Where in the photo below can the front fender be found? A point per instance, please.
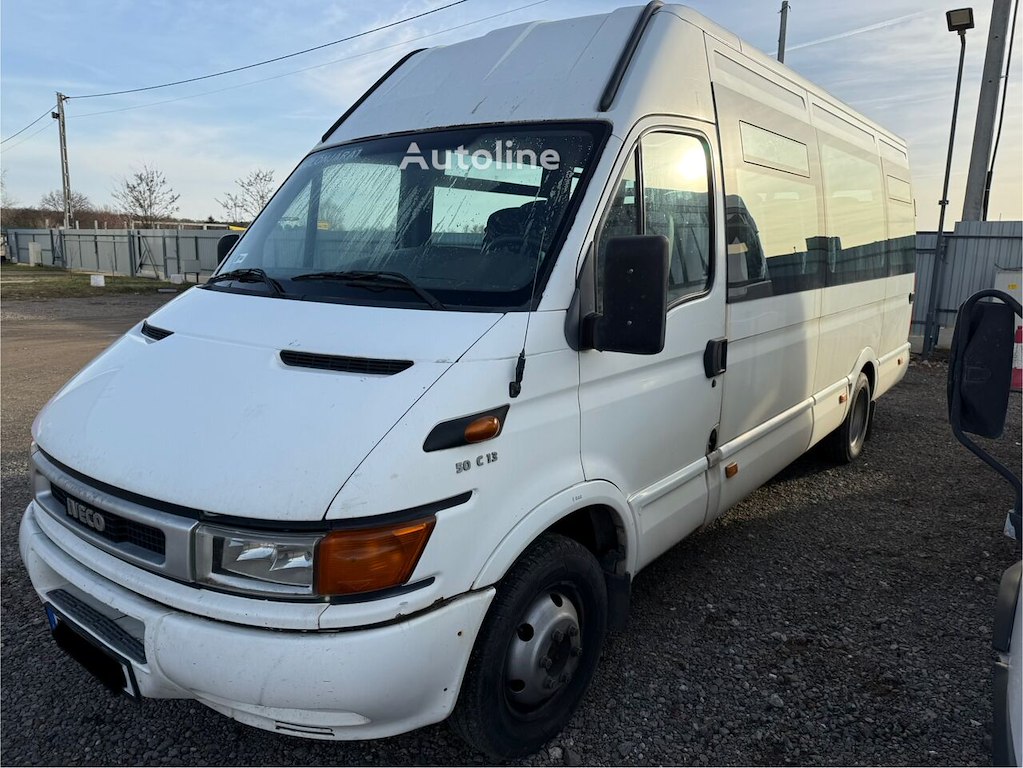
(546, 514)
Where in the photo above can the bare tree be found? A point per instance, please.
(254, 192)
(54, 201)
(146, 197)
(6, 200)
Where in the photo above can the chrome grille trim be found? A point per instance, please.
(176, 563)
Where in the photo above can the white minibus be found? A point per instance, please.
(537, 307)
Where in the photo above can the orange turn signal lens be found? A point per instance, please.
(482, 429)
(369, 559)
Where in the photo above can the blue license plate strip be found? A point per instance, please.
(93, 655)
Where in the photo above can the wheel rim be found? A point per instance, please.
(544, 652)
(858, 422)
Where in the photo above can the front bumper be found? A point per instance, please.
(352, 684)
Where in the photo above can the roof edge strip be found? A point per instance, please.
(611, 90)
(369, 92)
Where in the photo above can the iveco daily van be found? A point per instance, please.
(538, 306)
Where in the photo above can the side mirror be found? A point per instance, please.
(980, 378)
(635, 296)
(224, 246)
(980, 364)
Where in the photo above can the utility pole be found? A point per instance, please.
(781, 33)
(978, 179)
(65, 175)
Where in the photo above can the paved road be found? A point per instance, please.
(838, 616)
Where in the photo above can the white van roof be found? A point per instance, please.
(559, 70)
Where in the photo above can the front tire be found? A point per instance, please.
(845, 444)
(536, 653)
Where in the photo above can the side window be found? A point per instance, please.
(772, 235)
(901, 228)
(856, 215)
(675, 204)
(772, 222)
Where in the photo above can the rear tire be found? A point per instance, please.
(535, 655)
(845, 444)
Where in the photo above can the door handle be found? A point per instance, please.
(715, 357)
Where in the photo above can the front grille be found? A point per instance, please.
(117, 529)
(365, 365)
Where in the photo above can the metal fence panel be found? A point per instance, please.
(18, 240)
(973, 253)
(925, 242)
(153, 253)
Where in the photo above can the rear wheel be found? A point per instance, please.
(536, 653)
(845, 444)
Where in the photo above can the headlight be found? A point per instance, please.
(341, 562)
(254, 561)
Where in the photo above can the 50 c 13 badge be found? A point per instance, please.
(481, 461)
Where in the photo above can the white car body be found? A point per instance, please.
(649, 440)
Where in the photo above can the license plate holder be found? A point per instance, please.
(111, 669)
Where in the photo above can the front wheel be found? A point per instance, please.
(845, 444)
(536, 653)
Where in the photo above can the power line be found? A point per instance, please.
(29, 137)
(276, 58)
(314, 66)
(47, 112)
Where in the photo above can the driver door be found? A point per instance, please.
(648, 422)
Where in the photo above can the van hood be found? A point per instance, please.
(212, 418)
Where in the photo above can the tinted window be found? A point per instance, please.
(762, 147)
(901, 238)
(854, 202)
(772, 232)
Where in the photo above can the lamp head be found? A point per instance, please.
(959, 20)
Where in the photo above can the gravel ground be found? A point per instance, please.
(837, 616)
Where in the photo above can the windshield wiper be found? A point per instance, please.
(375, 278)
(249, 275)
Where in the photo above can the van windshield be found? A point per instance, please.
(466, 219)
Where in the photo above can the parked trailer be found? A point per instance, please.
(509, 332)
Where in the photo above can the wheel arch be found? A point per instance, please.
(866, 364)
(596, 515)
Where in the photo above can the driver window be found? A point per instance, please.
(675, 204)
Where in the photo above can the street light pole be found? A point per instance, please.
(958, 21)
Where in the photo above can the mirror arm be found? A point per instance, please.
(988, 459)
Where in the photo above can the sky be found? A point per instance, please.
(892, 60)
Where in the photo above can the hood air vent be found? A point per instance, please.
(364, 365)
(155, 333)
